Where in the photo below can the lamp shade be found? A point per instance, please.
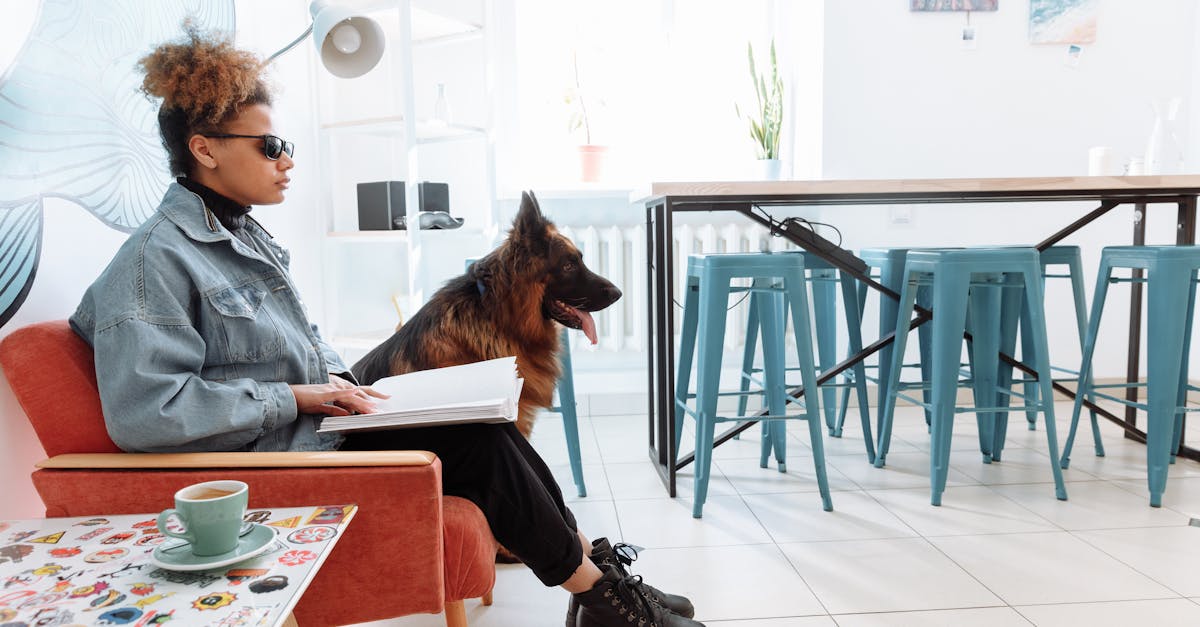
(349, 44)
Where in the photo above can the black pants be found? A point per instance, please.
(494, 466)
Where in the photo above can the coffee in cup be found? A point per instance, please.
(211, 514)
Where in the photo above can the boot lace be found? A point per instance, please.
(646, 612)
(626, 555)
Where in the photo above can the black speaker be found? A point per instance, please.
(378, 204)
(381, 204)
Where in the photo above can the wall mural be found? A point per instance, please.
(73, 124)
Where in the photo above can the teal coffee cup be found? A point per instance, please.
(211, 514)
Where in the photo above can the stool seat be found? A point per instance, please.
(1170, 276)
(775, 277)
(958, 278)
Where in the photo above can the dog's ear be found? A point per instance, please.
(529, 221)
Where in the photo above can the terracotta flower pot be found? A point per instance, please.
(591, 162)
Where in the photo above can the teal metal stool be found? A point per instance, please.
(889, 263)
(565, 387)
(1171, 288)
(958, 278)
(775, 277)
(1070, 257)
(824, 280)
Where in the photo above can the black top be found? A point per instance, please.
(231, 215)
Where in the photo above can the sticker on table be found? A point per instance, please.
(64, 552)
(120, 616)
(14, 553)
(296, 557)
(47, 598)
(269, 584)
(87, 591)
(214, 601)
(150, 540)
(105, 555)
(52, 616)
(239, 575)
(329, 515)
(91, 522)
(243, 616)
(118, 537)
(21, 536)
(153, 522)
(4, 525)
(197, 578)
(49, 539)
(141, 589)
(48, 569)
(112, 597)
(286, 523)
(151, 600)
(7, 614)
(95, 533)
(308, 535)
(261, 516)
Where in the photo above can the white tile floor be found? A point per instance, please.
(1000, 551)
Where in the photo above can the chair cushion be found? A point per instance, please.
(53, 375)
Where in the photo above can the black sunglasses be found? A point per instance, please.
(272, 146)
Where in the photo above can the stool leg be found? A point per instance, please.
(950, 293)
(774, 376)
(1181, 402)
(984, 315)
(748, 355)
(903, 317)
(566, 403)
(825, 319)
(714, 299)
(1033, 314)
(1083, 389)
(1010, 316)
(687, 349)
(797, 302)
(1077, 293)
(891, 275)
(854, 333)
(925, 352)
(1167, 289)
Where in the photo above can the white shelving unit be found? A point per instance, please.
(381, 126)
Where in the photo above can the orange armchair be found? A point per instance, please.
(409, 549)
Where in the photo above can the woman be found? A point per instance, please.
(203, 344)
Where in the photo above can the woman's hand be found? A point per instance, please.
(339, 397)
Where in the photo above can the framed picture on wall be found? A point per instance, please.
(954, 5)
(1063, 21)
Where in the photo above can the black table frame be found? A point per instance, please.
(661, 315)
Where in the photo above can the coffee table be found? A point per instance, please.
(103, 570)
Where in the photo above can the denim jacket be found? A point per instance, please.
(198, 335)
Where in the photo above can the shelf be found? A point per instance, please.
(398, 236)
(428, 132)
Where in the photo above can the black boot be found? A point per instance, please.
(619, 558)
(617, 601)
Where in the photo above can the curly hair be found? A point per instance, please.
(203, 82)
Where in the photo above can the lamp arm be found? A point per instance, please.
(302, 37)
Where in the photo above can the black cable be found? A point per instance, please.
(778, 227)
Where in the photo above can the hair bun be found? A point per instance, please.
(203, 75)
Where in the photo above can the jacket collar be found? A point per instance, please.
(187, 210)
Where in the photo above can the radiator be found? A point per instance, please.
(619, 254)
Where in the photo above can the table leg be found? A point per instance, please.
(660, 341)
(1135, 319)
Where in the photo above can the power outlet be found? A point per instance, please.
(901, 215)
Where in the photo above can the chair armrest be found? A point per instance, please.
(239, 460)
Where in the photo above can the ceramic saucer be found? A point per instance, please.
(180, 556)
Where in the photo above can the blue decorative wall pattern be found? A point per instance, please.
(73, 124)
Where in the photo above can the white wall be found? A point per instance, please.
(902, 99)
(76, 246)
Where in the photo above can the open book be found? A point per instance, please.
(485, 391)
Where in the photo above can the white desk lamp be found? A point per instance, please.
(349, 44)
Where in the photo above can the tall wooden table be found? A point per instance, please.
(664, 200)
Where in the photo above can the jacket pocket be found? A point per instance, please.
(247, 328)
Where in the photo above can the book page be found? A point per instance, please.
(484, 381)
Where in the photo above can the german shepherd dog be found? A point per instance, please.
(508, 303)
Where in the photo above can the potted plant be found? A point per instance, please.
(591, 156)
(767, 119)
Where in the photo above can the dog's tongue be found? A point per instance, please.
(589, 325)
